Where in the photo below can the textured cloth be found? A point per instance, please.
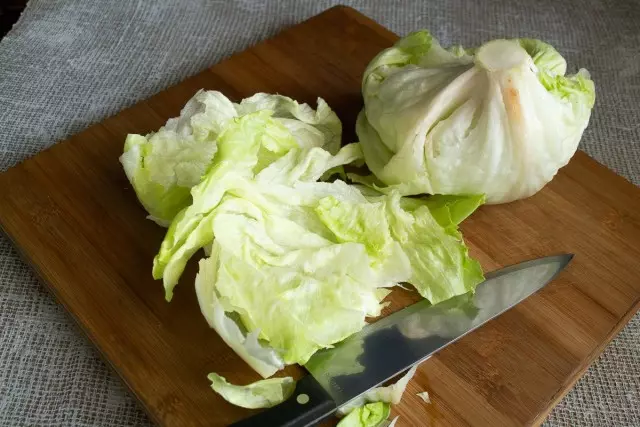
(68, 64)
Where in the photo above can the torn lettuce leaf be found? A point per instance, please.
(302, 263)
(261, 358)
(319, 128)
(369, 415)
(287, 185)
(163, 166)
(276, 268)
(411, 245)
(191, 228)
(260, 394)
(280, 271)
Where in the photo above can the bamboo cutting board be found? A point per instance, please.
(76, 221)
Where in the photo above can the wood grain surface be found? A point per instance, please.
(76, 221)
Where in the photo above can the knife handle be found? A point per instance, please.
(297, 411)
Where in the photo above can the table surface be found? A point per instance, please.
(67, 64)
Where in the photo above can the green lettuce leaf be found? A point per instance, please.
(293, 264)
(411, 245)
(260, 394)
(277, 267)
(280, 269)
(163, 166)
(369, 415)
(191, 229)
(232, 174)
(261, 358)
(319, 128)
(302, 263)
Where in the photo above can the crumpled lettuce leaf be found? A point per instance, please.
(261, 358)
(319, 128)
(369, 415)
(163, 166)
(280, 269)
(260, 394)
(411, 245)
(191, 229)
(232, 174)
(302, 263)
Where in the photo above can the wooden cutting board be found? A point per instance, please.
(76, 221)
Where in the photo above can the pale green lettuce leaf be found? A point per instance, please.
(190, 230)
(308, 165)
(450, 210)
(410, 245)
(280, 186)
(281, 270)
(296, 265)
(319, 128)
(262, 359)
(163, 166)
(442, 267)
(369, 415)
(367, 224)
(260, 394)
(544, 56)
(299, 290)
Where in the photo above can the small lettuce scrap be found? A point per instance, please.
(260, 394)
(369, 415)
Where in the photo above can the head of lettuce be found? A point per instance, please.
(498, 120)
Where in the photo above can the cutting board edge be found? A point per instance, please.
(83, 330)
(575, 376)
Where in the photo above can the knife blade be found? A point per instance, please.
(393, 344)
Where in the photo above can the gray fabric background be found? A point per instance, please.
(67, 64)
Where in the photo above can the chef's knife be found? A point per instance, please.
(395, 343)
